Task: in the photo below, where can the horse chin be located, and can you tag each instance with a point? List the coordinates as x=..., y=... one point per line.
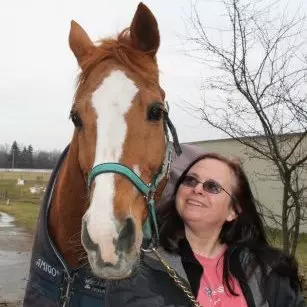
x=124, y=268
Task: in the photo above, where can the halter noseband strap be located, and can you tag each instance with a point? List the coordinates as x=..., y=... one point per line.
x=148, y=190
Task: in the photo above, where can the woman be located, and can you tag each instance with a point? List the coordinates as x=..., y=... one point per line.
x=212, y=222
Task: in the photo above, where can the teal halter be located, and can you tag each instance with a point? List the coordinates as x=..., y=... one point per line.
x=148, y=190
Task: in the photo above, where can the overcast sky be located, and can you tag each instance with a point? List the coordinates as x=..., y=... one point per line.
x=38, y=71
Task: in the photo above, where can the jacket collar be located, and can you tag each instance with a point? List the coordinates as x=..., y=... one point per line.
x=173, y=260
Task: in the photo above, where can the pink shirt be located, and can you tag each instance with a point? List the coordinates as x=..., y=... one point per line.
x=211, y=290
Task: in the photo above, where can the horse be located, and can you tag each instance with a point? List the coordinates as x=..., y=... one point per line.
x=99, y=204
x=118, y=117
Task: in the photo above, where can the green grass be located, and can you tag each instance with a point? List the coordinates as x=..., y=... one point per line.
x=24, y=213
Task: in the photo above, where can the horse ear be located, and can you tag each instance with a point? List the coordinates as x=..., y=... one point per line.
x=79, y=42
x=144, y=30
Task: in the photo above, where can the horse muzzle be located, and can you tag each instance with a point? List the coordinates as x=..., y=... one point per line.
x=115, y=258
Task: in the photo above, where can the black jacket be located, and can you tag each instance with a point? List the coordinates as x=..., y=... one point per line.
x=279, y=294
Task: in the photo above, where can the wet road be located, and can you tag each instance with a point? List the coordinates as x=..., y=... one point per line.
x=15, y=246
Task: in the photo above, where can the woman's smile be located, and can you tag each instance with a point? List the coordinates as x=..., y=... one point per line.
x=195, y=202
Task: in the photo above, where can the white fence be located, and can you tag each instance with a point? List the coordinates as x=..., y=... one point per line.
x=25, y=170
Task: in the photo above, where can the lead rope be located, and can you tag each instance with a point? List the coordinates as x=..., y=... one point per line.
x=174, y=276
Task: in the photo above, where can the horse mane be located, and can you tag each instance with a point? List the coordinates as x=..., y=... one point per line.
x=122, y=51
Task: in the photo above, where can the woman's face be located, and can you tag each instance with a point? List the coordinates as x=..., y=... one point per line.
x=197, y=206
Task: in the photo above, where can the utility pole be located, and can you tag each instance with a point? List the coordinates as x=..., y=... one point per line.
x=13, y=157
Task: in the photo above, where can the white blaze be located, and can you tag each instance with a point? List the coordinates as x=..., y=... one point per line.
x=111, y=101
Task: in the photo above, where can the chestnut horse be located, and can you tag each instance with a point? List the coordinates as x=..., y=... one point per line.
x=118, y=152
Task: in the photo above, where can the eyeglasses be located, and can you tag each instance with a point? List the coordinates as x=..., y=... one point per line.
x=209, y=185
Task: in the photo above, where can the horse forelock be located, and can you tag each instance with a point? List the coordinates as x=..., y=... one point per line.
x=121, y=50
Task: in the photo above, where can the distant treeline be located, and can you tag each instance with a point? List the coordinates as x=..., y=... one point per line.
x=20, y=156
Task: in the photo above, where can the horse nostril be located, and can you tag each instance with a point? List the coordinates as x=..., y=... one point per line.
x=126, y=237
x=86, y=239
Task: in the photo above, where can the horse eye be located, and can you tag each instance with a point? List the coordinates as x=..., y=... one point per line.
x=76, y=119
x=155, y=111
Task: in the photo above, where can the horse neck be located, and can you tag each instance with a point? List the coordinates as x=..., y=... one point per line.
x=67, y=208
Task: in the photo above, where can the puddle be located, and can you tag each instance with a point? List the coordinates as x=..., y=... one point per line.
x=15, y=246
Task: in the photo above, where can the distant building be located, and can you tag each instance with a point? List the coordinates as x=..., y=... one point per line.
x=20, y=181
x=36, y=189
x=33, y=190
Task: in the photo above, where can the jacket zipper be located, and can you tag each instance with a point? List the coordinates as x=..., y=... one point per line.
x=66, y=290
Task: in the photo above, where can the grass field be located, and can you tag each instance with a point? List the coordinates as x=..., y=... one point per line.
x=24, y=206
x=18, y=201
x=9, y=188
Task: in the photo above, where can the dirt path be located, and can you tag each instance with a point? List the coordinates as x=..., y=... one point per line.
x=15, y=246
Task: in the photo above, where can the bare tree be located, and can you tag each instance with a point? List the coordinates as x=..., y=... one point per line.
x=260, y=78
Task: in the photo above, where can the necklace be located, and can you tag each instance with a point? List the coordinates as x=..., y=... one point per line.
x=208, y=288
x=212, y=294
x=213, y=291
